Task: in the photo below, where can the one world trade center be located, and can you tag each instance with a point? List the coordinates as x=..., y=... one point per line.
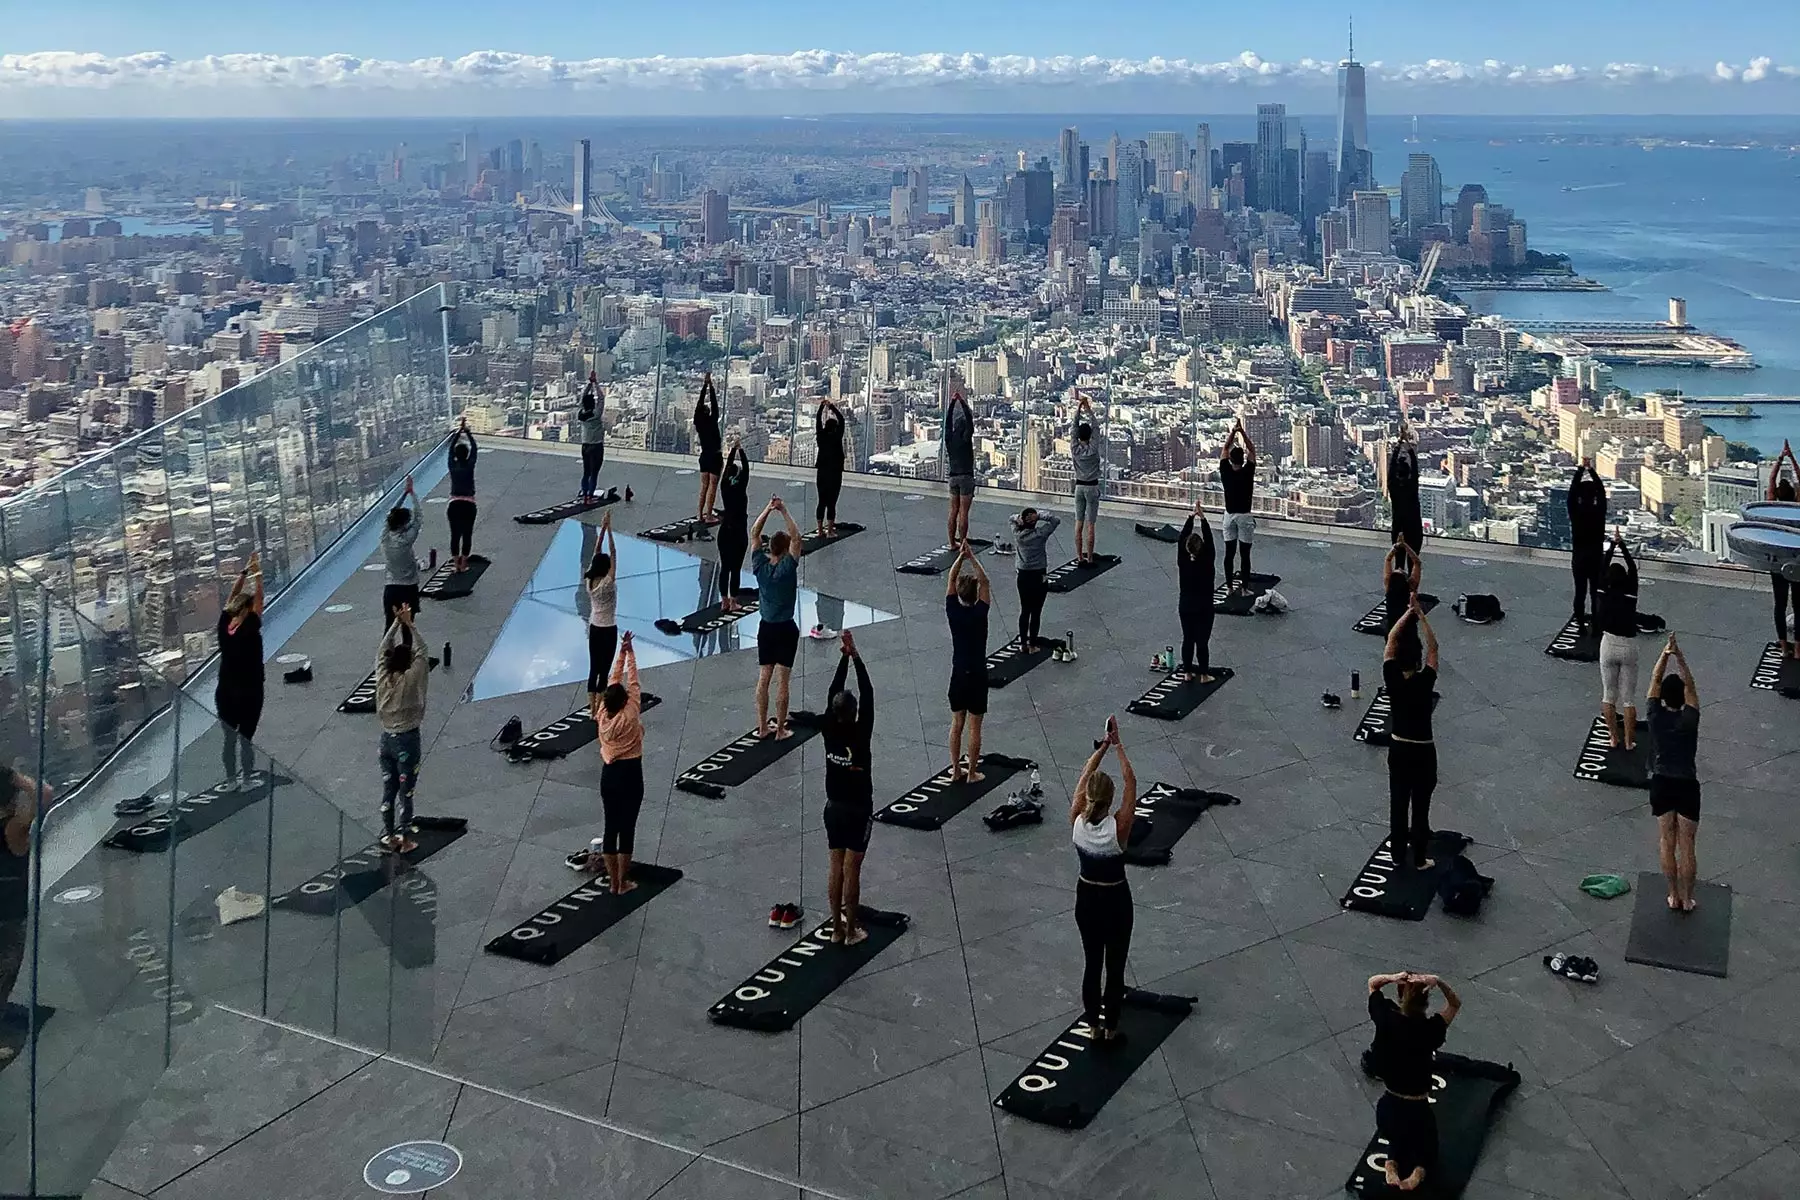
x=1355, y=165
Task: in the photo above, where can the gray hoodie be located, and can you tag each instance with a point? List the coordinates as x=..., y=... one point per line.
x=592, y=432
x=397, y=552
x=1086, y=454
x=400, y=697
x=1031, y=542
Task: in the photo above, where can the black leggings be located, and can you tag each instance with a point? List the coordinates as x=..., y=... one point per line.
x=1411, y=532
x=1196, y=634
x=602, y=641
x=461, y=514
x=1244, y=547
x=240, y=711
x=621, y=795
x=1784, y=593
x=1031, y=603
x=831, y=482
x=1412, y=776
x=593, y=457
x=1103, y=915
x=734, y=543
x=393, y=596
x=1584, y=564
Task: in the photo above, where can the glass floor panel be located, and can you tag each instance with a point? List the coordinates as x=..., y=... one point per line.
x=544, y=640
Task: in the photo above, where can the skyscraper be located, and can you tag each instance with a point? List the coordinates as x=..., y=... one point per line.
x=715, y=214
x=582, y=189
x=918, y=183
x=1168, y=150
x=1355, y=165
x=1069, y=173
x=963, y=212
x=1200, y=176
x=1371, y=223
x=1421, y=194
x=1130, y=189
x=1271, y=147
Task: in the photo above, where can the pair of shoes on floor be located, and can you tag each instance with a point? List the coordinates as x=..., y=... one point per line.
x=784, y=916
x=585, y=861
x=300, y=674
x=1331, y=700
x=1583, y=970
x=134, y=806
x=821, y=631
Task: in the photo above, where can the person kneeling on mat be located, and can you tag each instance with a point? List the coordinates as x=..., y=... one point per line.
x=1412, y=755
x=1102, y=896
x=402, y=672
x=1674, y=781
x=1405, y=1039
x=1031, y=534
x=966, y=603
x=849, y=792
x=777, y=571
x=618, y=711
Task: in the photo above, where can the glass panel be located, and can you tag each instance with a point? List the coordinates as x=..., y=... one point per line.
x=193, y=561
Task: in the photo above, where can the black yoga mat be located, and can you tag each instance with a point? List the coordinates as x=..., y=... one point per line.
x=1698, y=942
x=580, y=917
x=1574, y=643
x=1465, y=1093
x=1072, y=574
x=448, y=584
x=1162, y=533
x=675, y=531
x=809, y=541
x=1244, y=602
x=565, y=735
x=369, y=870
x=1373, y=620
x=152, y=832
x=1388, y=890
x=1164, y=813
x=742, y=759
x=1172, y=699
x=714, y=616
x=776, y=997
x=934, y=802
x=1010, y=661
x=1373, y=730
x=1600, y=762
x=1070, y=1082
x=1777, y=672
x=362, y=697
x=568, y=508
x=936, y=562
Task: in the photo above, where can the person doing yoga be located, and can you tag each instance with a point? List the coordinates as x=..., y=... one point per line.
x=849, y=791
x=402, y=675
x=959, y=465
x=1031, y=535
x=602, y=581
x=1587, y=539
x=1406, y=1037
x=590, y=431
x=618, y=711
x=1616, y=609
x=238, y=694
x=1781, y=487
x=1412, y=755
x=1086, y=447
x=1237, y=477
x=1102, y=896
x=1400, y=574
x=21, y=799
x=967, y=599
x=708, y=432
x=1403, y=489
x=777, y=570
x=1194, y=570
x=734, y=538
x=1674, y=777
x=460, y=512
x=828, y=428
x=401, y=583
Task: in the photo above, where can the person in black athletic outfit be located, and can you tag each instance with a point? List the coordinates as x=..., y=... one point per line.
x=1194, y=568
x=828, y=427
x=734, y=522
x=460, y=512
x=1412, y=755
x=967, y=599
x=1781, y=488
x=849, y=791
x=1237, y=478
x=1406, y=1038
x=1587, y=538
x=238, y=694
x=712, y=461
x=1103, y=911
x=20, y=801
x=1674, y=777
x=1403, y=490
x=1400, y=573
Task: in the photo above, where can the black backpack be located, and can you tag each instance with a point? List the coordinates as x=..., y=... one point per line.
x=1462, y=888
x=1479, y=608
x=512, y=731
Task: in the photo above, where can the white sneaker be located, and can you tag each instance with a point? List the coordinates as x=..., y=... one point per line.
x=821, y=631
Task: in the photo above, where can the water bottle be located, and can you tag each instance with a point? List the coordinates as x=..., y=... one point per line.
x=433, y=558
x=594, y=847
x=1356, y=685
x=1168, y=659
x=1070, y=643
x=1036, y=787
x=446, y=656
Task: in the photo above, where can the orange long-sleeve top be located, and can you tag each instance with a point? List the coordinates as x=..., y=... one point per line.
x=622, y=733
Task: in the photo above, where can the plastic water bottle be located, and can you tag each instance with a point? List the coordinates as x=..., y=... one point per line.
x=1168, y=658
x=595, y=845
x=433, y=558
x=1356, y=685
x=1036, y=787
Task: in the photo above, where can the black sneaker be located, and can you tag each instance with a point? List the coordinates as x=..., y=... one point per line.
x=579, y=861
x=300, y=674
x=134, y=806
x=1330, y=700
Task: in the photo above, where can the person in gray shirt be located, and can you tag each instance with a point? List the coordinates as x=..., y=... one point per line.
x=1085, y=445
x=590, y=431
x=1031, y=534
x=959, y=465
x=398, y=556
x=401, y=673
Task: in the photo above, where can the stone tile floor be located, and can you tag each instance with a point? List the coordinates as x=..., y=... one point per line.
x=1652, y=1085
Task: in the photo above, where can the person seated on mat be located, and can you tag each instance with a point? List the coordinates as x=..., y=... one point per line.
x=1237, y=476
x=777, y=569
x=733, y=536
x=1587, y=539
x=590, y=431
x=618, y=711
x=1102, y=896
x=1406, y=1037
x=959, y=465
x=401, y=583
x=828, y=470
x=1194, y=570
x=1086, y=447
x=1674, y=779
x=1403, y=490
x=21, y=799
x=707, y=432
x=1412, y=755
x=602, y=581
x=967, y=599
x=460, y=512
x=1616, y=608
x=849, y=791
x=1401, y=571
x=402, y=672
x=238, y=692
x=1031, y=535
x=1781, y=487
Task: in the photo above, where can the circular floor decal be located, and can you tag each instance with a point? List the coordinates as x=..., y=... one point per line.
x=339, y=608
x=413, y=1167
x=290, y=657
x=688, y=471
x=912, y=496
x=374, y=566
x=1474, y=562
x=1320, y=545
x=77, y=895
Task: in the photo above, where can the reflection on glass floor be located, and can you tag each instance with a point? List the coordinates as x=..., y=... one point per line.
x=544, y=641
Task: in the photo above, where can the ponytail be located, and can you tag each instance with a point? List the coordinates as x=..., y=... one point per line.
x=1099, y=799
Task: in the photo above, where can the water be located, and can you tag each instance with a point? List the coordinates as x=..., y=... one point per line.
x=128, y=227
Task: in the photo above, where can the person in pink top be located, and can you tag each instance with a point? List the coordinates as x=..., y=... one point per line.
x=617, y=712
